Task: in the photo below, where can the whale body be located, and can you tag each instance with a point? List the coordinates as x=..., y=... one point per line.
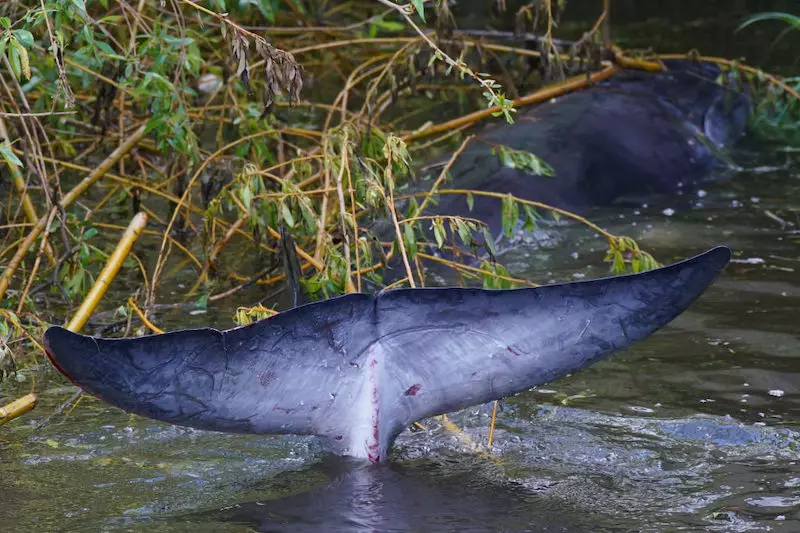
x=357, y=369
x=637, y=134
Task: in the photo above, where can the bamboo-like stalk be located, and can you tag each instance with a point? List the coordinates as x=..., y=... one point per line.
x=730, y=63
x=542, y=95
x=636, y=64
x=343, y=216
x=108, y=273
x=22, y=189
x=607, y=22
x=146, y=321
x=491, y=425
x=16, y=177
x=18, y=407
x=67, y=201
x=459, y=267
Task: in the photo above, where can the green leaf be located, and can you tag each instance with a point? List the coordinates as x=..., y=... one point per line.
x=636, y=264
x=51, y=443
x=618, y=265
x=792, y=20
x=470, y=201
x=267, y=8
x=5, y=22
x=308, y=218
x=107, y=49
x=23, y=59
x=525, y=161
x=74, y=283
x=510, y=212
x=242, y=149
x=389, y=25
x=491, y=271
x=463, y=231
x=202, y=302
x=413, y=208
x=91, y=232
x=287, y=214
x=80, y=5
x=438, y=232
x=490, y=245
x=531, y=218
x=84, y=254
x=24, y=37
x=247, y=195
x=410, y=240
x=10, y=157
x=419, y=5
x=13, y=56
x=88, y=34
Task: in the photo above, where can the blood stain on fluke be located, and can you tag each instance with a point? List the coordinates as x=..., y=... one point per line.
x=413, y=389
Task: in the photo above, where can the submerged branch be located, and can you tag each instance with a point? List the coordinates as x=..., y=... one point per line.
x=17, y=408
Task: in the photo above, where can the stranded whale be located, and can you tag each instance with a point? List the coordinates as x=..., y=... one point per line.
x=637, y=134
x=359, y=368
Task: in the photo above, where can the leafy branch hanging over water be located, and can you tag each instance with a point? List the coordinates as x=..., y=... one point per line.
x=777, y=114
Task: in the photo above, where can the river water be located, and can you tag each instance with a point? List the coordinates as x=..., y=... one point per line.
x=696, y=428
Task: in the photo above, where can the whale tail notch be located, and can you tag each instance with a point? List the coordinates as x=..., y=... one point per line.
x=359, y=368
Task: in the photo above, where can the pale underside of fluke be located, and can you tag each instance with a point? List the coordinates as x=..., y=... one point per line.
x=359, y=368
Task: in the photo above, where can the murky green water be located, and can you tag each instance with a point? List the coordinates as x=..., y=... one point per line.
x=697, y=428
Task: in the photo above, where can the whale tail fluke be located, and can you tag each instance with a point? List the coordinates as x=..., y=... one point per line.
x=359, y=368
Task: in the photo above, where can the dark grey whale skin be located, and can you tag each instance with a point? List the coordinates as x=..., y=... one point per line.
x=636, y=134
x=358, y=369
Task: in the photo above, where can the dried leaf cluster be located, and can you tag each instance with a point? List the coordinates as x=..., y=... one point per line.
x=282, y=73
